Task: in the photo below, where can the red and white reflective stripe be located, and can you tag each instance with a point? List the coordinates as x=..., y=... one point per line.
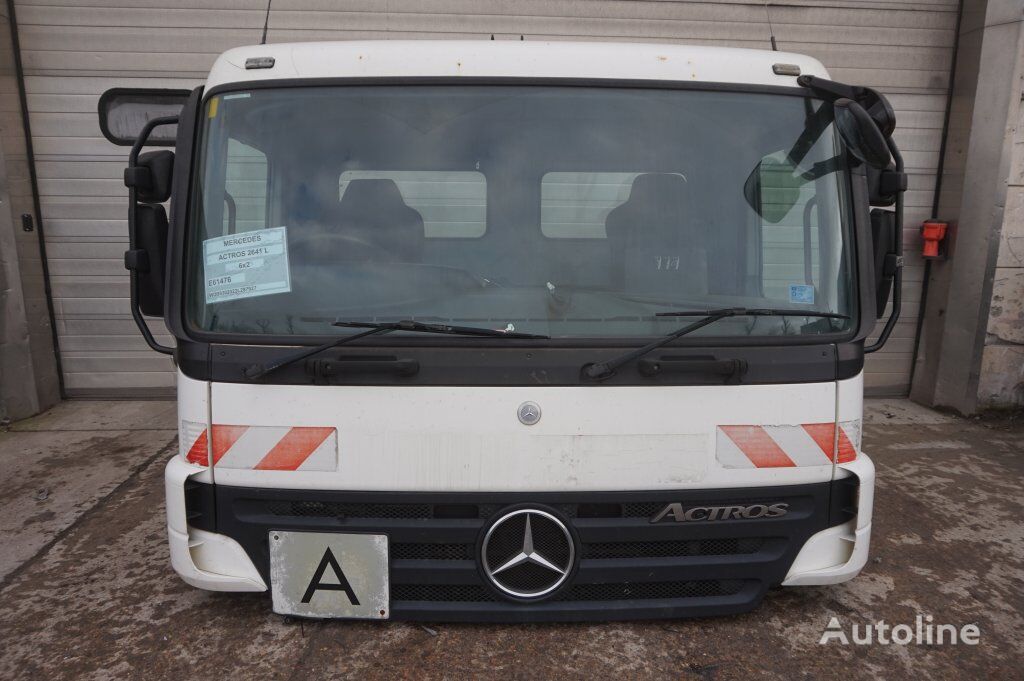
x=808, y=444
x=265, y=448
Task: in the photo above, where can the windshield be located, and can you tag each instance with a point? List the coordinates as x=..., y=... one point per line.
x=560, y=211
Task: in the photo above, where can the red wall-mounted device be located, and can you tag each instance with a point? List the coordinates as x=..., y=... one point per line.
x=933, y=236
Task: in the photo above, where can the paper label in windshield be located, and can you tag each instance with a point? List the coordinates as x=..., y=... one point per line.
x=246, y=265
x=801, y=294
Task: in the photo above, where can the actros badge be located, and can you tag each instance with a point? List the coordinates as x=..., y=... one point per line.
x=676, y=512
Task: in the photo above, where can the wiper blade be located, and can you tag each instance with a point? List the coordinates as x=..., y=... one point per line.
x=753, y=312
x=256, y=371
x=423, y=327
x=604, y=370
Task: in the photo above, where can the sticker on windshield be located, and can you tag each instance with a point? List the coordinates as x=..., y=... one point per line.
x=801, y=293
x=246, y=265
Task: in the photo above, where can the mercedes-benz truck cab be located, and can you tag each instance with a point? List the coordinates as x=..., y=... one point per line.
x=515, y=331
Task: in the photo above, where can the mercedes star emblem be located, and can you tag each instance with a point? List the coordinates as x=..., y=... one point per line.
x=528, y=553
x=529, y=413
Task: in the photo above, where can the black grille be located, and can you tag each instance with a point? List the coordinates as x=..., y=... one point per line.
x=671, y=549
x=599, y=551
x=431, y=552
x=327, y=509
x=645, y=509
x=445, y=593
x=626, y=566
x=472, y=593
x=648, y=590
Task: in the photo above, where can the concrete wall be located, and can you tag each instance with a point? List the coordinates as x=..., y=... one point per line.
x=1001, y=383
x=970, y=355
x=28, y=367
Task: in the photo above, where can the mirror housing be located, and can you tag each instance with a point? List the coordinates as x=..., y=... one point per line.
x=152, y=176
x=863, y=139
x=883, y=240
x=147, y=258
x=773, y=187
x=124, y=112
x=884, y=185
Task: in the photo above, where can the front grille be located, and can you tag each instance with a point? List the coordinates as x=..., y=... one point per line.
x=672, y=549
x=473, y=593
x=704, y=588
x=599, y=551
x=328, y=509
x=431, y=552
x=627, y=566
x=444, y=593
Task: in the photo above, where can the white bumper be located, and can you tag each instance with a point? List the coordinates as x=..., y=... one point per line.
x=839, y=553
x=203, y=559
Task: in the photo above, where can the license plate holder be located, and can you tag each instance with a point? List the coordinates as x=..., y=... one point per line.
x=329, y=574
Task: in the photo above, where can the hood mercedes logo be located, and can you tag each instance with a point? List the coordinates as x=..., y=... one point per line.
x=528, y=553
x=529, y=413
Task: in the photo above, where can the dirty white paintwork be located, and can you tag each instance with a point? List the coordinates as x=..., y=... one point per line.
x=510, y=59
x=470, y=439
x=203, y=559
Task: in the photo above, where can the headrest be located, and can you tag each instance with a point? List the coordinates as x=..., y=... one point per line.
x=364, y=197
x=657, y=187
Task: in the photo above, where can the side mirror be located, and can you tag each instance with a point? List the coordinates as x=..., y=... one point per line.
x=860, y=133
x=124, y=112
x=147, y=258
x=886, y=256
x=151, y=176
x=773, y=187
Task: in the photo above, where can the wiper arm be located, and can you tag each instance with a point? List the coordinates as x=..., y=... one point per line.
x=603, y=370
x=256, y=371
x=423, y=327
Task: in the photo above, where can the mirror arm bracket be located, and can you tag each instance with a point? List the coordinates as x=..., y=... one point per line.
x=829, y=89
x=132, y=257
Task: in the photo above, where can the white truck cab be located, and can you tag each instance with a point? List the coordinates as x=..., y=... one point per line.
x=515, y=331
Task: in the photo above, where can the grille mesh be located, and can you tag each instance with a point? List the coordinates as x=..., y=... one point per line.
x=599, y=551
x=473, y=593
x=431, y=552
x=672, y=549
x=330, y=509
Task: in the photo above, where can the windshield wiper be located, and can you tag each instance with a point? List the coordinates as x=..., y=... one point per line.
x=423, y=327
x=256, y=371
x=603, y=370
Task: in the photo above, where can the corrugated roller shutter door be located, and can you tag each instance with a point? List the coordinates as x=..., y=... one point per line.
x=72, y=54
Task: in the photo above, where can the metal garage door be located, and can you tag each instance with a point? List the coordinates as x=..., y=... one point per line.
x=72, y=54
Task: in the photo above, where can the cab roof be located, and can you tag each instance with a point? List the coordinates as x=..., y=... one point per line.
x=509, y=59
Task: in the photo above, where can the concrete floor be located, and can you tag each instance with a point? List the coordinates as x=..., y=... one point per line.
x=86, y=590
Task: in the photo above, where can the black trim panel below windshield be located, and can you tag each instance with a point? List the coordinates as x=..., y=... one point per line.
x=518, y=364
